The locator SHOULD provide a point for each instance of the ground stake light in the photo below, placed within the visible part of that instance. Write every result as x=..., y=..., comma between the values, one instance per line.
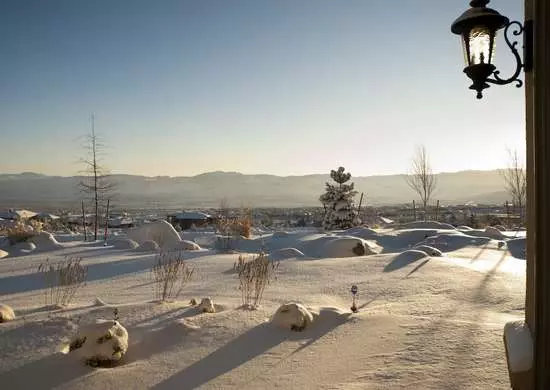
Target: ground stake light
x=354, y=291
x=478, y=27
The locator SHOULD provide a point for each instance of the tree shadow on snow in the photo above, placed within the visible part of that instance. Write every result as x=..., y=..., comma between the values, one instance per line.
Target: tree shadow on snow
x=244, y=348
x=35, y=281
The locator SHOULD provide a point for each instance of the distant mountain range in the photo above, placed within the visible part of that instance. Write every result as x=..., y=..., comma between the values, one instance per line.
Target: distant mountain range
x=32, y=190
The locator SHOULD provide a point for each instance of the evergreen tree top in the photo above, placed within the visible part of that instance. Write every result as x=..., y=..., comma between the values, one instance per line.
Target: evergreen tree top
x=340, y=176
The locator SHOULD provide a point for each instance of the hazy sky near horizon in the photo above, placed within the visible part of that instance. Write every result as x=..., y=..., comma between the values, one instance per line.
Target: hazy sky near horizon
x=286, y=87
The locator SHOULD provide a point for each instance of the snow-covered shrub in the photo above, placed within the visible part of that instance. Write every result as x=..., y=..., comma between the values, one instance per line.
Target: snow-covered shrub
x=293, y=316
x=338, y=202
x=63, y=280
x=254, y=276
x=100, y=344
x=6, y=313
x=20, y=232
x=207, y=306
x=171, y=274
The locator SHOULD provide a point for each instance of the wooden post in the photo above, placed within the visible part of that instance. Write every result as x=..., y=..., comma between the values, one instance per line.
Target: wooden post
x=414, y=210
x=360, y=202
x=507, y=215
x=84, y=222
x=437, y=211
x=106, y=223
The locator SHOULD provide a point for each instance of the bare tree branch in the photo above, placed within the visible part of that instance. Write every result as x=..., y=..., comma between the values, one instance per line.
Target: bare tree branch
x=515, y=180
x=421, y=178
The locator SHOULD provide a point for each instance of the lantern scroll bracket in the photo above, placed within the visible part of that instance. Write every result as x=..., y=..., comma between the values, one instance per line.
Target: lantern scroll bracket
x=516, y=28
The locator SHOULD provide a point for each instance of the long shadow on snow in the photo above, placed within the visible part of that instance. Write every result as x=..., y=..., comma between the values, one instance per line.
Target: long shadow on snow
x=244, y=348
x=35, y=281
x=46, y=373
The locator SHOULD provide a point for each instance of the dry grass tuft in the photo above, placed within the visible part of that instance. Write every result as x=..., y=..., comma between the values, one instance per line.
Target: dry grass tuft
x=254, y=276
x=63, y=280
x=171, y=274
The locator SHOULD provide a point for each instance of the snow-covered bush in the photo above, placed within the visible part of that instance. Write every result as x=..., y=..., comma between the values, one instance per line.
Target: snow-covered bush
x=100, y=344
x=293, y=316
x=6, y=313
x=207, y=306
x=338, y=202
x=254, y=276
x=63, y=280
x=171, y=274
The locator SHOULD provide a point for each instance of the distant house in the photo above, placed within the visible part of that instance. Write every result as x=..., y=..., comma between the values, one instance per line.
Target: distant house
x=17, y=214
x=187, y=219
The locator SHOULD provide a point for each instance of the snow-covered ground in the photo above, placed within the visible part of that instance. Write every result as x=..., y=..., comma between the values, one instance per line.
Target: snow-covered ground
x=423, y=322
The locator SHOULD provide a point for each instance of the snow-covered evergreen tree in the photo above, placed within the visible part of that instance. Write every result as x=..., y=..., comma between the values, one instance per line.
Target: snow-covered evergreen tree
x=340, y=212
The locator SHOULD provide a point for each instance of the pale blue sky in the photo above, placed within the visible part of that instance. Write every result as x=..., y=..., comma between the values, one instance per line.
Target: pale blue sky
x=285, y=87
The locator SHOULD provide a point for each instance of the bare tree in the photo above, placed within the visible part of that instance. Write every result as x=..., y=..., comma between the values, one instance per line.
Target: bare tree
x=97, y=183
x=515, y=180
x=421, y=178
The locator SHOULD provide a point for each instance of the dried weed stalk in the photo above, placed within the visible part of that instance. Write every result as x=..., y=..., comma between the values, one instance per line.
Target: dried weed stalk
x=63, y=280
x=171, y=274
x=254, y=276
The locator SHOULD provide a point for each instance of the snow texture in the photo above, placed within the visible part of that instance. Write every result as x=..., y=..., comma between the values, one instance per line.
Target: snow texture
x=6, y=313
x=519, y=343
x=100, y=343
x=293, y=316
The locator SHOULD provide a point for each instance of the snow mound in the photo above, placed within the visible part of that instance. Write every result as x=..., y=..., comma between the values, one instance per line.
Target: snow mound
x=3, y=254
x=162, y=232
x=464, y=227
x=346, y=247
x=500, y=228
x=519, y=344
x=99, y=344
x=207, y=306
x=148, y=246
x=430, y=250
x=517, y=248
x=452, y=242
x=186, y=246
x=286, y=253
x=125, y=243
x=6, y=313
x=493, y=232
x=404, y=259
x=361, y=232
x=427, y=225
x=45, y=241
x=293, y=316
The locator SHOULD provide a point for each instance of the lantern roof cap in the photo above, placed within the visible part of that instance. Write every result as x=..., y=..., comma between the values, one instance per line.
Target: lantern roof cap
x=478, y=15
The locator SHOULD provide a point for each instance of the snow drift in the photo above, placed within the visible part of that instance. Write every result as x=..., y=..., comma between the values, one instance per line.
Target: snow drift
x=45, y=241
x=148, y=246
x=162, y=232
x=286, y=253
x=430, y=250
x=124, y=243
x=346, y=247
x=426, y=225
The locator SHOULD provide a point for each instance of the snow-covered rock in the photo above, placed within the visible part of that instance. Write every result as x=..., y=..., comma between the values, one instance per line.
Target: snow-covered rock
x=162, y=232
x=45, y=241
x=361, y=232
x=430, y=250
x=101, y=343
x=285, y=253
x=148, y=246
x=346, y=247
x=293, y=316
x=494, y=233
x=124, y=243
x=207, y=306
x=6, y=313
